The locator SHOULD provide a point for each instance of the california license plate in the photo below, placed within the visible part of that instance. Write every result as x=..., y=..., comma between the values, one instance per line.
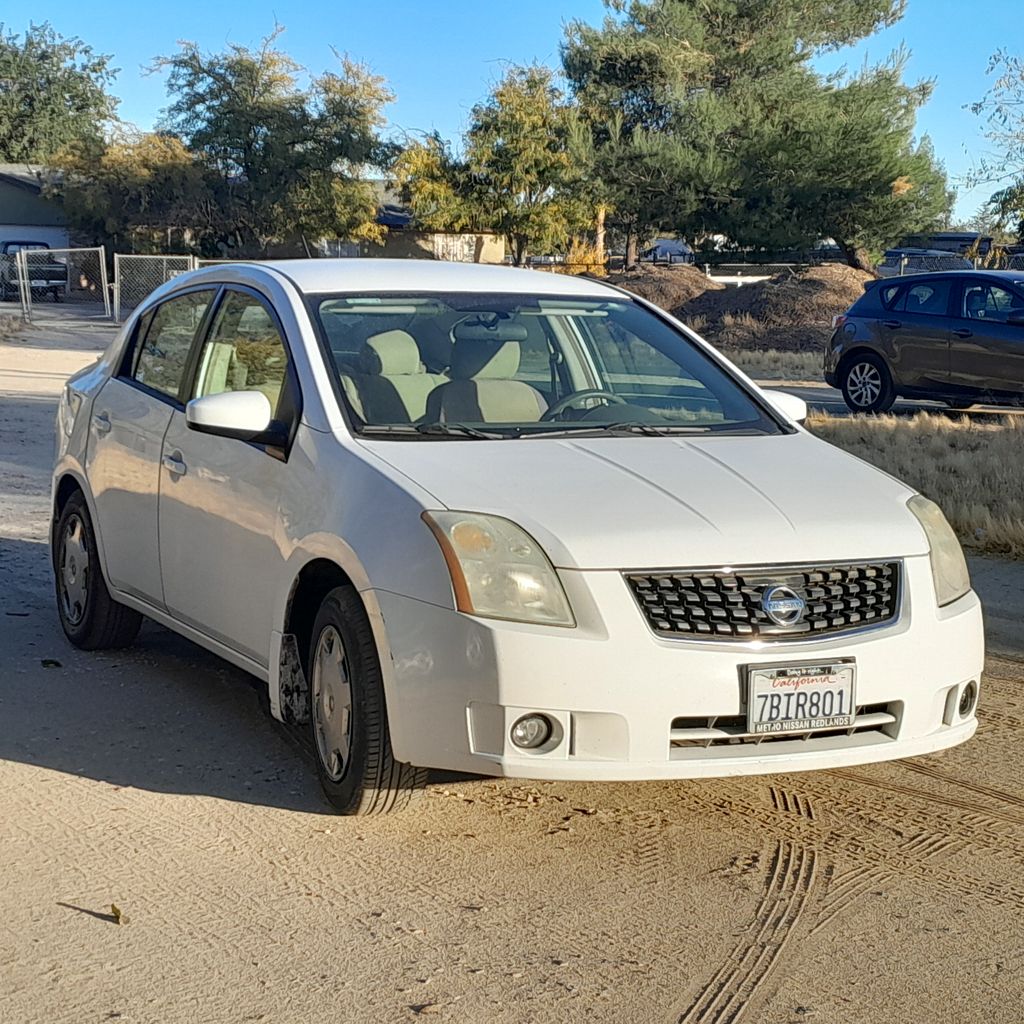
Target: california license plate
x=800, y=698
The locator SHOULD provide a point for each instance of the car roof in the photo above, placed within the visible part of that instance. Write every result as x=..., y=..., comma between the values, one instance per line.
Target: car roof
x=1012, y=276
x=369, y=275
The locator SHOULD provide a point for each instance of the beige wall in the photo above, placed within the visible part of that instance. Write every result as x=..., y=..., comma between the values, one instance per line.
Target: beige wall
x=424, y=245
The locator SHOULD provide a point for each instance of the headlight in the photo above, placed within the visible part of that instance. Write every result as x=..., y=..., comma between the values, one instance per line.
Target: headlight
x=498, y=570
x=949, y=568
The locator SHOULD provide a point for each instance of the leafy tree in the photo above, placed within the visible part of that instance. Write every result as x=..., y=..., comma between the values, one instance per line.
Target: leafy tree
x=706, y=117
x=1002, y=109
x=516, y=175
x=288, y=160
x=53, y=91
x=135, y=191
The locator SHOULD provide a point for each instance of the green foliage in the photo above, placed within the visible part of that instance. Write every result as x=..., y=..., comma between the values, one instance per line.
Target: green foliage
x=134, y=190
x=286, y=160
x=53, y=91
x=516, y=176
x=706, y=116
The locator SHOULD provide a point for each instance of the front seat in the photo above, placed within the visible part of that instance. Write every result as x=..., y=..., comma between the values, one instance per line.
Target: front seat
x=483, y=388
x=391, y=385
x=976, y=304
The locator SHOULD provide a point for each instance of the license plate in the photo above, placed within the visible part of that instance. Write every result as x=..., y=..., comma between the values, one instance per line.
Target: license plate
x=799, y=698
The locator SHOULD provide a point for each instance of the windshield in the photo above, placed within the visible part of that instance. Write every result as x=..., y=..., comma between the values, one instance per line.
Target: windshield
x=471, y=366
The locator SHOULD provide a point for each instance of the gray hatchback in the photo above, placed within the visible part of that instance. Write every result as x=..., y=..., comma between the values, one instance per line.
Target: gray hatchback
x=955, y=337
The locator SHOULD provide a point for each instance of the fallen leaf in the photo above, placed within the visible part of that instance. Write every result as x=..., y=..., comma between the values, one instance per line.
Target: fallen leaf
x=119, y=916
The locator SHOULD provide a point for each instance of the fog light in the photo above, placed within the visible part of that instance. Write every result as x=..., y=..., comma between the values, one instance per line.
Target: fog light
x=531, y=731
x=968, y=699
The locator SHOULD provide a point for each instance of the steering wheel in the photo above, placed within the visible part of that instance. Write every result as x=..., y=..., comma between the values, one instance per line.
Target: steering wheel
x=577, y=396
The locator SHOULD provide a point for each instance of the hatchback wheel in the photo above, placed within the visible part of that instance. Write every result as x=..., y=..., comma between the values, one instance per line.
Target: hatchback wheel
x=867, y=384
x=90, y=617
x=348, y=717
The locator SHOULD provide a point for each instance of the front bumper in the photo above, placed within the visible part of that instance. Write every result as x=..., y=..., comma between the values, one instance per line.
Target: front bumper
x=455, y=685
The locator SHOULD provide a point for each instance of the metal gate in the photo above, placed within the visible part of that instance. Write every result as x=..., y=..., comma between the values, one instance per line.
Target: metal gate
x=58, y=283
x=136, y=276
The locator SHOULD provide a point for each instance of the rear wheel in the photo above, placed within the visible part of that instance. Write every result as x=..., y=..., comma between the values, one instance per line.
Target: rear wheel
x=348, y=717
x=90, y=617
x=867, y=384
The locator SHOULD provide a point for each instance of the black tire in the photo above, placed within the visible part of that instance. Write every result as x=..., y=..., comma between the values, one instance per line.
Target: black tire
x=91, y=619
x=366, y=778
x=867, y=384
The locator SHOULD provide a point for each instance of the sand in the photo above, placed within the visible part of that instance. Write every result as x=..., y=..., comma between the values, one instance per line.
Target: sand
x=151, y=780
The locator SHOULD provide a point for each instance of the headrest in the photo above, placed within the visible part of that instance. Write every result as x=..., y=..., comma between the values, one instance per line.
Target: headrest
x=479, y=360
x=390, y=353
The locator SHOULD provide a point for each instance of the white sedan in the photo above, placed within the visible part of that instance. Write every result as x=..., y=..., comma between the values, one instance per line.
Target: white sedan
x=504, y=522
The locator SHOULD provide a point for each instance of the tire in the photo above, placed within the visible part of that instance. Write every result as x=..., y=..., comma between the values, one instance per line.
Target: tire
x=348, y=719
x=867, y=384
x=92, y=620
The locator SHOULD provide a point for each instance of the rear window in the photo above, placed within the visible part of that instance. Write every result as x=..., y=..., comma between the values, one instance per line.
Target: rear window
x=929, y=298
x=877, y=297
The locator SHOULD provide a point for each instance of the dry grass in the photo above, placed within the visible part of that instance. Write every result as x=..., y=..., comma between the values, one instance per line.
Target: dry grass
x=10, y=325
x=973, y=469
x=773, y=364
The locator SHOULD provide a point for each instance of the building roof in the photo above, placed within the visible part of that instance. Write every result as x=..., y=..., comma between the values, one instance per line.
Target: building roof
x=367, y=276
x=28, y=176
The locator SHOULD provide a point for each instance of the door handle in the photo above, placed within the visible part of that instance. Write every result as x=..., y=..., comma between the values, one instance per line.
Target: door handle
x=102, y=423
x=176, y=464
x=962, y=332
x=892, y=324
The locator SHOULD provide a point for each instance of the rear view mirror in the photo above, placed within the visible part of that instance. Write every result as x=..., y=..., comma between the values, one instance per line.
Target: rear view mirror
x=244, y=415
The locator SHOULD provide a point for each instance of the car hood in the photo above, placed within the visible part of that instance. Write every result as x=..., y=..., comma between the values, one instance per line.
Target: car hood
x=650, y=502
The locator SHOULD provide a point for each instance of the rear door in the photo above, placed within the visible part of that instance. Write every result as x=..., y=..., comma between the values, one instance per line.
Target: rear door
x=987, y=352
x=129, y=419
x=915, y=331
x=220, y=540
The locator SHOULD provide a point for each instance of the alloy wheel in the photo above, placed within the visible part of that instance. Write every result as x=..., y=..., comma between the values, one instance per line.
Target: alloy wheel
x=332, y=703
x=864, y=384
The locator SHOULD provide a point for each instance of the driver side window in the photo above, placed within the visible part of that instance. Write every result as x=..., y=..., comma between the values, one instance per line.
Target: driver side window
x=243, y=352
x=989, y=302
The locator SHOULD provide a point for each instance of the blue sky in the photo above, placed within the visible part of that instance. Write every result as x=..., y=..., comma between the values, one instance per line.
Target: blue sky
x=441, y=56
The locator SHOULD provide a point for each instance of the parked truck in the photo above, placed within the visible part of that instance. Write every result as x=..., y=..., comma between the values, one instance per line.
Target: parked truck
x=46, y=274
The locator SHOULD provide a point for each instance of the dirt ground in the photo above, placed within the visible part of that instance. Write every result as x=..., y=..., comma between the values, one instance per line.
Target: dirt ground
x=151, y=780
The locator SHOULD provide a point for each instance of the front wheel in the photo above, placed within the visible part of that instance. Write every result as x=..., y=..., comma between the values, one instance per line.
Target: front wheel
x=867, y=384
x=348, y=717
x=91, y=619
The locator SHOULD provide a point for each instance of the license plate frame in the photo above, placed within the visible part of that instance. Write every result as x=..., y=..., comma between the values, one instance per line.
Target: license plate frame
x=828, y=675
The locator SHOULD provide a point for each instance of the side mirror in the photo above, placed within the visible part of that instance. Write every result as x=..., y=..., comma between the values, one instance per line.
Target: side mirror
x=1015, y=318
x=790, y=406
x=243, y=415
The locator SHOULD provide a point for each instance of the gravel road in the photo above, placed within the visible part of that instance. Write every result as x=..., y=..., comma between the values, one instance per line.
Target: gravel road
x=151, y=781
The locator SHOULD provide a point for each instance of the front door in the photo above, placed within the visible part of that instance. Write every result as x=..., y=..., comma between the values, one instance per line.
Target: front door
x=220, y=542
x=129, y=419
x=987, y=352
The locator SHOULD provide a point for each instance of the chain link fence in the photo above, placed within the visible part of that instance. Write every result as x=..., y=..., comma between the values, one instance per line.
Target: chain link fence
x=41, y=279
x=136, y=276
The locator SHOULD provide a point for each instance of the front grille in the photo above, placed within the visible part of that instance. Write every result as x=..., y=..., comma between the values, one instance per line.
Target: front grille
x=728, y=605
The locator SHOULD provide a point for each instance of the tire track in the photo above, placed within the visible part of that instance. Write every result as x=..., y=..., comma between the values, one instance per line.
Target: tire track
x=956, y=803
x=730, y=991
x=790, y=802
x=999, y=795
x=875, y=845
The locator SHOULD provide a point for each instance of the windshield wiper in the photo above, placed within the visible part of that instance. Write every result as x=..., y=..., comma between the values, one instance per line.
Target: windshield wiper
x=451, y=430
x=612, y=428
